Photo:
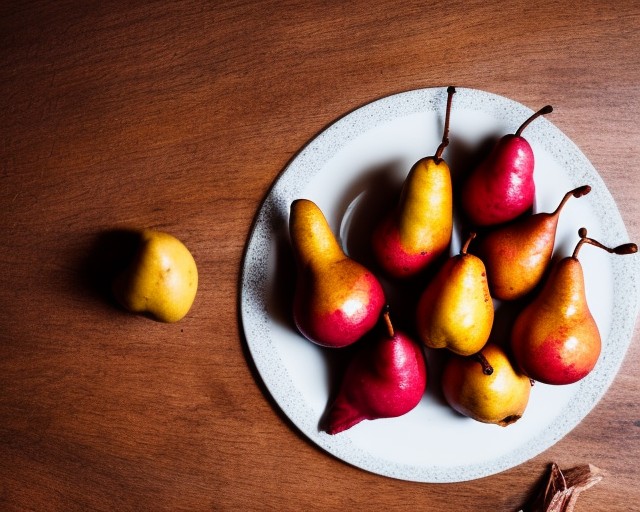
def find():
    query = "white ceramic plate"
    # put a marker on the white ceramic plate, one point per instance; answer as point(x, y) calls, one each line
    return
point(351, 170)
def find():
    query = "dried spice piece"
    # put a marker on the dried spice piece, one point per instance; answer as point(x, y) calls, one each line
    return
point(562, 488)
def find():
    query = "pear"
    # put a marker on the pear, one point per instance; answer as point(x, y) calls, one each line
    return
point(555, 339)
point(337, 300)
point(517, 254)
point(386, 378)
point(161, 280)
point(502, 188)
point(412, 235)
point(455, 311)
point(486, 387)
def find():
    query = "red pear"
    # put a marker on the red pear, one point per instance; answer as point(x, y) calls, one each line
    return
point(555, 339)
point(502, 188)
point(386, 379)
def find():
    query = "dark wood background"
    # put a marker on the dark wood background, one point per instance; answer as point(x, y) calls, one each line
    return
point(178, 116)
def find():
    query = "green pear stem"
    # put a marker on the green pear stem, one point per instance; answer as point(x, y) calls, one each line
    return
point(487, 369)
point(465, 247)
point(620, 249)
point(547, 109)
point(387, 321)
point(576, 192)
point(445, 134)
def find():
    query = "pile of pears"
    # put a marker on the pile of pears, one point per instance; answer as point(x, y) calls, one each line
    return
point(507, 255)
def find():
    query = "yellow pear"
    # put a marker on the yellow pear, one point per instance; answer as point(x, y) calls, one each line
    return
point(456, 311)
point(486, 387)
point(161, 280)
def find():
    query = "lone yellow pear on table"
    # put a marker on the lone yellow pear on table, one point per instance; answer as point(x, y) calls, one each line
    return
point(161, 280)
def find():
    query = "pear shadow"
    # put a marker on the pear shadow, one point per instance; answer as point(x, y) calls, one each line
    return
point(364, 204)
point(463, 157)
point(281, 294)
point(436, 359)
point(108, 254)
point(505, 316)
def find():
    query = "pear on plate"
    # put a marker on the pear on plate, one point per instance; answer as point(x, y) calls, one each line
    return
point(517, 254)
point(486, 387)
point(455, 311)
point(418, 229)
point(555, 339)
point(386, 378)
point(502, 186)
point(337, 300)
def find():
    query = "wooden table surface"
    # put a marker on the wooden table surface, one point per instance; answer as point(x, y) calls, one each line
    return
point(178, 116)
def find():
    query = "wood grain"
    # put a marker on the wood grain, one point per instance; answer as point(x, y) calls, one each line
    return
point(178, 116)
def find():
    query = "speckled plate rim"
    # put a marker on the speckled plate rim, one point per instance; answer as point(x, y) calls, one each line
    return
point(288, 185)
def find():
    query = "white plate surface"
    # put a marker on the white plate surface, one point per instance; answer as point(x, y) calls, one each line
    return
point(352, 167)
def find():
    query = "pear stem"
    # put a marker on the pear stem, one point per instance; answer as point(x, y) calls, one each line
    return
point(387, 321)
point(547, 109)
point(465, 247)
point(445, 134)
point(576, 192)
point(487, 369)
point(620, 249)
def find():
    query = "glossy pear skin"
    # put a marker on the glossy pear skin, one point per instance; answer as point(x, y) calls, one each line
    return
point(456, 311)
point(419, 229)
point(501, 188)
point(386, 379)
point(337, 300)
point(518, 254)
point(161, 280)
point(555, 339)
point(500, 398)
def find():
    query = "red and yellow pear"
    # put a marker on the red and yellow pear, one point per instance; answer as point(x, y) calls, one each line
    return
point(555, 339)
point(418, 230)
point(337, 300)
point(517, 254)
